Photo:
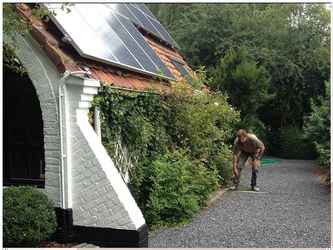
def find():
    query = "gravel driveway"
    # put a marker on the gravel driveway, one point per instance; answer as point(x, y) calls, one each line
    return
point(292, 209)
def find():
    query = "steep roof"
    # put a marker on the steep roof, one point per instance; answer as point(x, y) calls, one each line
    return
point(65, 57)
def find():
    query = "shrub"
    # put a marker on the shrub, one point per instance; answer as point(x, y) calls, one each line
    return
point(273, 142)
point(246, 82)
point(149, 126)
point(29, 217)
point(179, 188)
point(324, 152)
point(205, 125)
point(317, 127)
point(294, 145)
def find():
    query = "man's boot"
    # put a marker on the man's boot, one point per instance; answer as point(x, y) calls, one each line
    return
point(254, 180)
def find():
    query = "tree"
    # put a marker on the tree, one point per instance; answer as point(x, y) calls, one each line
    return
point(317, 127)
point(291, 41)
point(245, 82)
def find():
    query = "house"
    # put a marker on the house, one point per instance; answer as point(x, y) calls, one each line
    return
point(49, 141)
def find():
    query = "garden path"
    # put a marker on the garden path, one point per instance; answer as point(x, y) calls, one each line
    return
point(292, 209)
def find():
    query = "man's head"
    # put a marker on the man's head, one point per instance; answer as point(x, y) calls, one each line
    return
point(242, 135)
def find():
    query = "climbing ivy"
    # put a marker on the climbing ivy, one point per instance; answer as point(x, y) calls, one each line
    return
point(165, 132)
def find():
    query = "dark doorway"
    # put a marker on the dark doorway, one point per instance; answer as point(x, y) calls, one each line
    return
point(24, 162)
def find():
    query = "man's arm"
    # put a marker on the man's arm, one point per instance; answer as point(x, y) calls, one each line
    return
point(260, 148)
point(236, 153)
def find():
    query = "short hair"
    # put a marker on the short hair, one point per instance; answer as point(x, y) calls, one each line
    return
point(241, 132)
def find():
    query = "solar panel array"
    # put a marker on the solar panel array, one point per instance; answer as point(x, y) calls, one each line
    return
point(183, 71)
point(143, 17)
point(105, 32)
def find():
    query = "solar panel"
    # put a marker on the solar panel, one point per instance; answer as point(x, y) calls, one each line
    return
point(130, 43)
point(146, 24)
point(182, 70)
point(162, 31)
point(101, 34)
point(144, 9)
point(143, 44)
point(123, 10)
point(143, 17)
point(91, 16)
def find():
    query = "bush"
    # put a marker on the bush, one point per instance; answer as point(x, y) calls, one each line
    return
point(205, 125)
point(294, 145)
point(324, 152)
point(150, 126)
point(28, 217)
point(179, 188)
point(246, 82)
point(317, 128)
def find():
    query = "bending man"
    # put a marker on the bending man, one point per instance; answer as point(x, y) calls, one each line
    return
point(246, 145)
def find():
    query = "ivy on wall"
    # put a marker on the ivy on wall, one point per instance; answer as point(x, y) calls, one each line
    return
point(180, 137)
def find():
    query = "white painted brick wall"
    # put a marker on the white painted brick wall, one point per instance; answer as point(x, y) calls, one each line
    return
point(100, 197)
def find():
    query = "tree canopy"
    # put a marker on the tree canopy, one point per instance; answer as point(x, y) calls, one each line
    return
point(271, 59)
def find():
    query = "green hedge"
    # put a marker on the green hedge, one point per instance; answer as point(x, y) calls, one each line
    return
point(179, 188)
point(294, 145)
point(155, 128)
point(317, 127)
point(28, 217)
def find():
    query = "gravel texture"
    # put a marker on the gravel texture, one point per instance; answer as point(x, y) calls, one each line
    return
point(292, 209)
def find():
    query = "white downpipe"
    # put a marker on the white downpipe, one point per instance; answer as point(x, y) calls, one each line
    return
point(66, 167)
point(62, 172)
point(97, 123)
point(68, 150)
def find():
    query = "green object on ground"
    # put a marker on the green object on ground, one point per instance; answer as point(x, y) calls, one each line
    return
point(269, 161)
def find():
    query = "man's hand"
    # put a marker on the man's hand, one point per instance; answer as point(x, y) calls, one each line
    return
point(259, 152)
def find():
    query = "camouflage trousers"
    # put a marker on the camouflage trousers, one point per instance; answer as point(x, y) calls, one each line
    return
point(241, 164)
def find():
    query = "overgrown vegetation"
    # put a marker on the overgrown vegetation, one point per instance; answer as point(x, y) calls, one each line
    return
point(14, 26)
point(179, 188)
point(317, 128)
point(271, 59)
point(179, 144)
point(28, 217)
point(295, 144)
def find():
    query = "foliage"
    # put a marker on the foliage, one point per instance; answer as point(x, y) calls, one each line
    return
point(137, 118)
point(198, 127)
point(14, 25)
point(294, 145)
point(29, 217)
point(179, 188)
point(238, 75)
point(11, 61)
point(324, 151)
point(291, 42)
point(201, 122)
point(200, 78)
point(317, 127)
